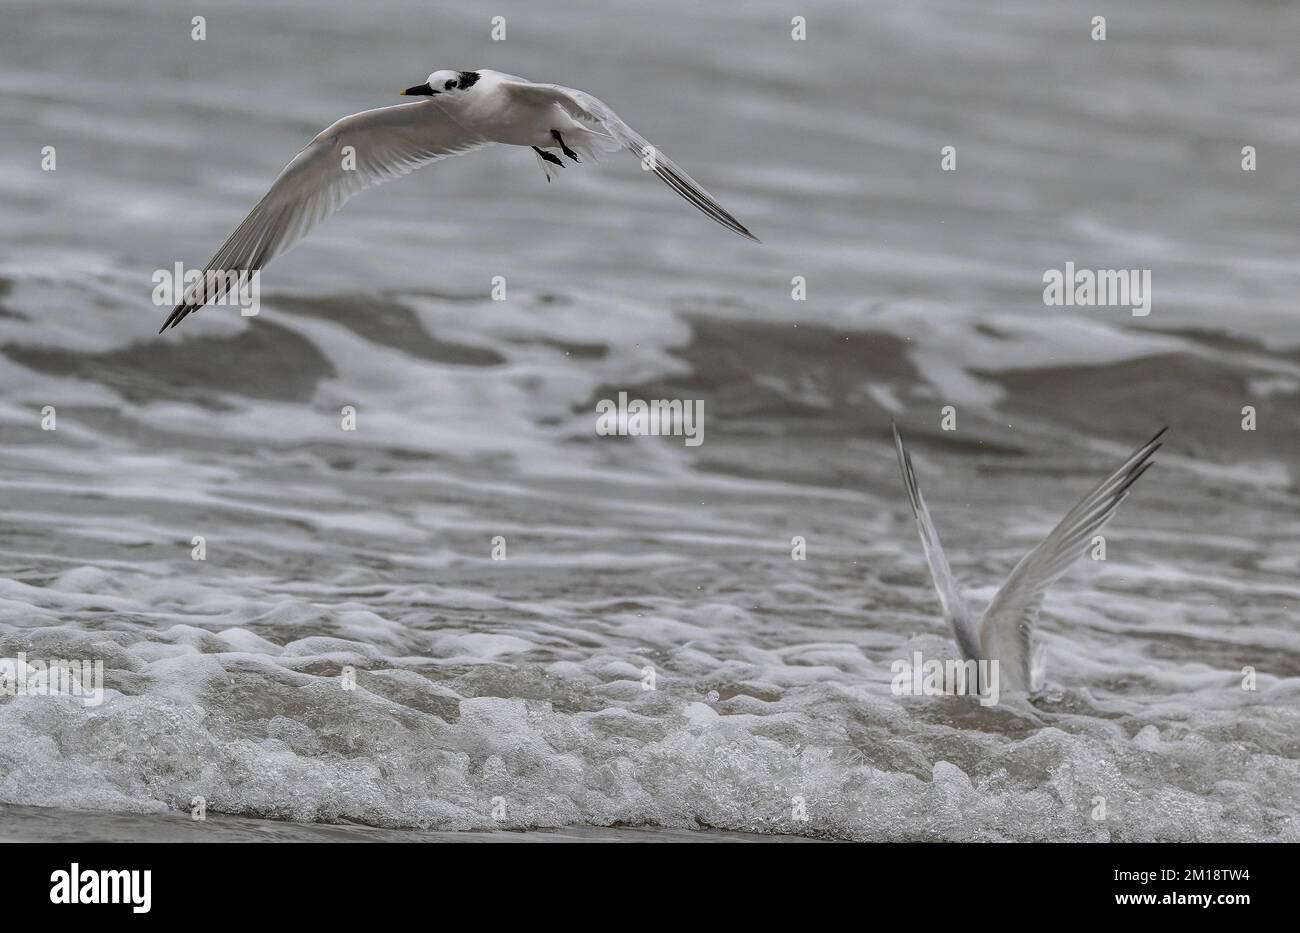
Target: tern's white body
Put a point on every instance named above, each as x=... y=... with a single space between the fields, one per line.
x=500 y=108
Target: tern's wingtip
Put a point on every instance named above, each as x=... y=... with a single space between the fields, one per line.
x=898 y=438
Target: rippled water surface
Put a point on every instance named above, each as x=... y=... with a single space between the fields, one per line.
x=515 y=685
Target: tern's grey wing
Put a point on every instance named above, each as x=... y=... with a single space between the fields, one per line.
x=384 y=144
x=1007 y=624
x=598 y=116
x=954 y=607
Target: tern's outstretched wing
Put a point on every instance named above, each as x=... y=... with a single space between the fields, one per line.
x=954 y=607
x=1008 y=622
x=385 y=143
x=599 y=117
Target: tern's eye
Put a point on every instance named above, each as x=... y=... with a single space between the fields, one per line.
x=449 y=85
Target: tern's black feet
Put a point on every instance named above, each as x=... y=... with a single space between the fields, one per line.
x=549 y=156
x=563 y=148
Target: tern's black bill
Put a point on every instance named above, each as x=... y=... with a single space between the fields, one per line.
x=419 y=89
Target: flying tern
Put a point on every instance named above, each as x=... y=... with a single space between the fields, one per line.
x=460 y=111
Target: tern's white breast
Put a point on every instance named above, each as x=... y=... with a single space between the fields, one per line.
x=501 y=117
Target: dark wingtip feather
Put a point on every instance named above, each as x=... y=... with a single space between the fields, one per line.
x=693 y=194
x=1134 y=477
x=909 y=472
x=178 y=314
x=1159 y=434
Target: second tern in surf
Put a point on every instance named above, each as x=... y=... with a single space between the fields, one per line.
x=460 y=111
x=1004 y=632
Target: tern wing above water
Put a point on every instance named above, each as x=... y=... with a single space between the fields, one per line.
x=954 y=607
x=1007 y=625
x=598 y=116
x=386 y=143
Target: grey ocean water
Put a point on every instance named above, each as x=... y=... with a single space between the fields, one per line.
x=516 y=685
